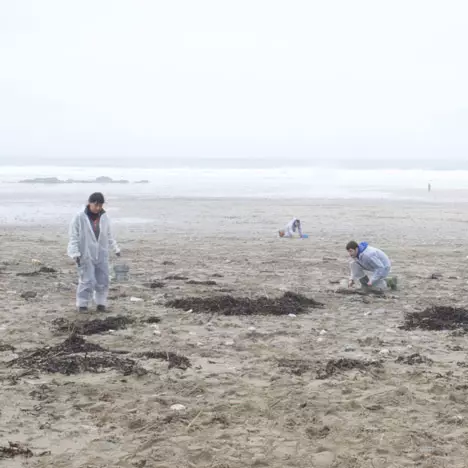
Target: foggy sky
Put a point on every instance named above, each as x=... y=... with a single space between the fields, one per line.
x=246 y=78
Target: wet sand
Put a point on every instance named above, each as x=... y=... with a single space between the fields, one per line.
x=252 y=395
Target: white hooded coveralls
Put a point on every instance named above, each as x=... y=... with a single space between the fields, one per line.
x=94 y=257
x=371 y=259
x=291 y=227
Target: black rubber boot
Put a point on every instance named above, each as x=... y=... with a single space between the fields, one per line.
x=364 y=280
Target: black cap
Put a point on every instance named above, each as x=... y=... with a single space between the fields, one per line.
x=97 y=197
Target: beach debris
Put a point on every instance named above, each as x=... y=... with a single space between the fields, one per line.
x=176 y=277
x=292 y=315
x=154 y=285
x=136 y=299
x=384 y=352
x=217 y=275
x=37 y=272
x=75 y=355
x=92 y=327
x=413 y=359
x=35 y=261
x=168 y=262
x=29 y=295
x=174 y=359
x=289 y=303
x=320 y=340
x=317 y=432
x=229 y=343
x=45 y=269
x=117 y=295
x=153 y=319
x=295 y=366
x=370 y=341
x=360 y=292
x=252 y=329
x=437 y=318
x=334 y=366
x=202 y=283
x=6 y=347
x=455 y=348
x=457 y=419
x=14 y=450
x=178 y=407
x=348 y=348
x=436 y=276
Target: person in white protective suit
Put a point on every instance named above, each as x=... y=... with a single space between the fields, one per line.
x=367 y=259
x=291 y=227
x=90 y=240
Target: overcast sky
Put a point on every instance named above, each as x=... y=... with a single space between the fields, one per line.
x=221 y=78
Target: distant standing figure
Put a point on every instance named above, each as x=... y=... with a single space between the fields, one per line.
x=290 y=228
x=429 y=187
x=90 y=240
x=368 y=259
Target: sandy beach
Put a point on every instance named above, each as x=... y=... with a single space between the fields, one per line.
x=253 y=394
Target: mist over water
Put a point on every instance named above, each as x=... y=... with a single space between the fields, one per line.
x=281 y=182
x=376 y=163
x=214 y=178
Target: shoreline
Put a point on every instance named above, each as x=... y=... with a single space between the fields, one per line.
x=154 y=211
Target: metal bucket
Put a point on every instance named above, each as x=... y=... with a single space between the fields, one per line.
x=121 y=272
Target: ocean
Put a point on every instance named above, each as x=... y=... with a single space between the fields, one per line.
x=281 y=182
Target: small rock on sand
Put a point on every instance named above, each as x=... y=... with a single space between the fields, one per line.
x=136 y=299
x=29 y=295
x=178 y=407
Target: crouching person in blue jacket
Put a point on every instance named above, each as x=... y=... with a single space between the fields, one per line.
x=367 y=260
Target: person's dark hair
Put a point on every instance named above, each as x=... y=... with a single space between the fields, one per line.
x=96 y=198
x=352 y=245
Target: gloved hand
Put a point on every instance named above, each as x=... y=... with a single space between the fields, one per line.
x=78 y=261
x=118 y=254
